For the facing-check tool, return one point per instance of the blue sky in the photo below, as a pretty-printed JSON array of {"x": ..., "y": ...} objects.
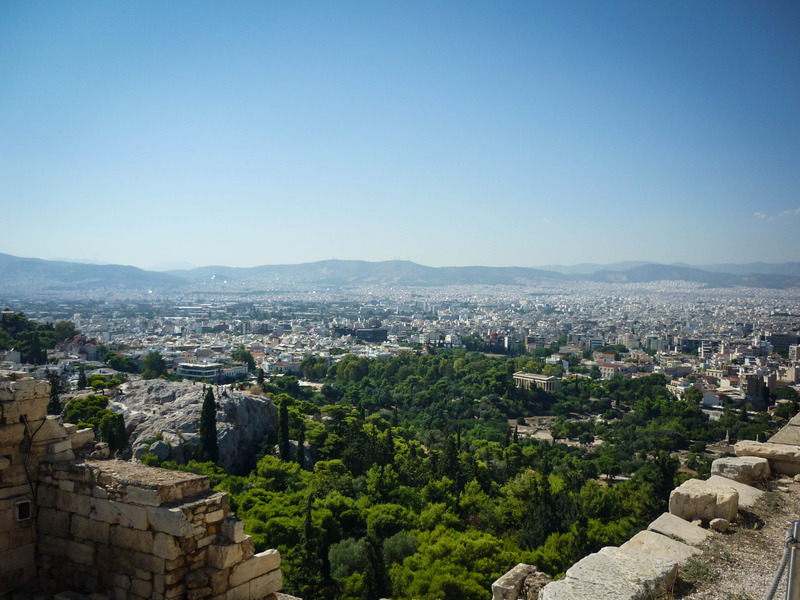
[{"x": 447, "y": 133}]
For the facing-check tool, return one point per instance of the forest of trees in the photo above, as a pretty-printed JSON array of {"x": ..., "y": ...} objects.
[
  {"x": 32, "y": 339},
  {"x": 413, "y": 485}
]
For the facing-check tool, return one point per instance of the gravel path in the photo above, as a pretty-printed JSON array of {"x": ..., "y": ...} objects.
[{"x": 741, "y": 563}]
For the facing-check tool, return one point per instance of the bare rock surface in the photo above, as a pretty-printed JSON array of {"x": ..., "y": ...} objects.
[
  {"x": 745, "y": 469},
  {"x": 171, "y": 411}
]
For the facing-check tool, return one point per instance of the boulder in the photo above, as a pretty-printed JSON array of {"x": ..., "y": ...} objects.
[
  {"x": 745, "y": 469},
  {"x": 697, "y": 499},
  {"x": 783, "y": 458},
  {"x": 160, "y": 449},
  {"x": 719, "y": 525},
  {"x": 612, "y": 573}
]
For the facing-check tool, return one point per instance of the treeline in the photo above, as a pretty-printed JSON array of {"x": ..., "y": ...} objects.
[
  {"x": 413, "y": 485},
  {"x": 32, "y": 339}
]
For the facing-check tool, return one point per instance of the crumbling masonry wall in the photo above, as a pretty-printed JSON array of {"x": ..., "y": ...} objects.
[
  {"x": 110, "y": 527},
  {"x": 142, "y": 533}
]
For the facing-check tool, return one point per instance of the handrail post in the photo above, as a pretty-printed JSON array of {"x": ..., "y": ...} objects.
[{"x": 793, "y": 581}]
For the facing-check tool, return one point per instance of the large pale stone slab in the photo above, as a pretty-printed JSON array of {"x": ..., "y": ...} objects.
[
  {"x": 789, "y": 433},
  {"x": 660, "y": 546},
  {"x": 170, "y": 520},
  {"x": 50, "y": 430},
  {"x": 266, "y": 584},
  {"x": 88, "y": 529},
  {"x": 81, "y": 437},
  {"x": 783, "y": 458},
  {"x": 255, "y": 566},
  {"x": 508, "y": 586},
  {"x": 697, "y": 499},
  {"x": 233, "y": 529},
  {"x": 749, "y": 497},
  {"x": 675, "y": 527},
  {"x": 612, "y": 573},
  {"x": 745, "y": 469},
  {"x": 222, "y": 557},
  {"x": 132, "y": 539},
  {"x": 166, "y": 546},
  {"x": 118, "y": 513}
]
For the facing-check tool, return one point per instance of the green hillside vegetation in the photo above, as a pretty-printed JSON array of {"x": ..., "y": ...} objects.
[
  {"x": 30, "y": 338},
  {"x": 92, "y": 411},
  {"x": 421, "y": 490}
]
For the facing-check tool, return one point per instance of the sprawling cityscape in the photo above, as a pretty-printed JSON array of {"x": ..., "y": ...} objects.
[{"x": 732, "y": 344}]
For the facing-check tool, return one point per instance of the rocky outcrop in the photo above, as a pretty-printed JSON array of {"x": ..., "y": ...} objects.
[
  {"x": 697, "y": 499},
  {"x": 169, "y": 412},
  {"x": 745, "y": 469},
  {"x": 783, "y": 458}
]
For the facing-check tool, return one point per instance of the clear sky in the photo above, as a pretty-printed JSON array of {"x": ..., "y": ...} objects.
[{"x": 447, "y": 133}]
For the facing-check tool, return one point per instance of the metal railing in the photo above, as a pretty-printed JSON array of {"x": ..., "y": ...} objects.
[{"x": 791, "y": 555}]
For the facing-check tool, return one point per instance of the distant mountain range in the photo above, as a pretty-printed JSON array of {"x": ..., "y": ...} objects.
[{"x": 32, "y": 274}]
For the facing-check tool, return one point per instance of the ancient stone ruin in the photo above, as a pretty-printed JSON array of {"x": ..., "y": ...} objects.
[{"x": 73, "y": 526}]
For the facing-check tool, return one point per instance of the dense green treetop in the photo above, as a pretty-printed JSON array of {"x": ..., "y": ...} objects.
[{"x": 420, "y": 489}]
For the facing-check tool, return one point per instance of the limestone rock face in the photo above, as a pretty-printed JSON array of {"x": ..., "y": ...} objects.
[
  {"x": 172, "y": 410},
  {"x": 783, "y": 458},
  {"x": 696, "y": 499},
  {"x": 745, "y": 469}
]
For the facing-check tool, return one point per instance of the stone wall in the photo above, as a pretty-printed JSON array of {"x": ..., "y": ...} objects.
[
  {"x": 115, "y": 528},
  {"x": 140, "y": 532},
  {"x": 25, "y": 438}
]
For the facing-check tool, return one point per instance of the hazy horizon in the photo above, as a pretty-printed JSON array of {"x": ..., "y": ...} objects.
[{"x": 452, "y": 134}]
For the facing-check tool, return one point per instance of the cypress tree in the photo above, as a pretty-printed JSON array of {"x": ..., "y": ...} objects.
[
  {"x": 301, "y": 449},
  {"x": 81, "y": 378},
  {"x": 54, "y": 406},
  {"x": 208, "y": 428},
  {"x": 283, "y": 430}
]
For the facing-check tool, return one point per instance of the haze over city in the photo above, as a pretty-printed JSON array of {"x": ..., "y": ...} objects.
[{"x": 453, "y": 134}]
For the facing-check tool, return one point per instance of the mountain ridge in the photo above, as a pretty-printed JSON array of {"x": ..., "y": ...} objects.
[{"x": 61, "y": 275}]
